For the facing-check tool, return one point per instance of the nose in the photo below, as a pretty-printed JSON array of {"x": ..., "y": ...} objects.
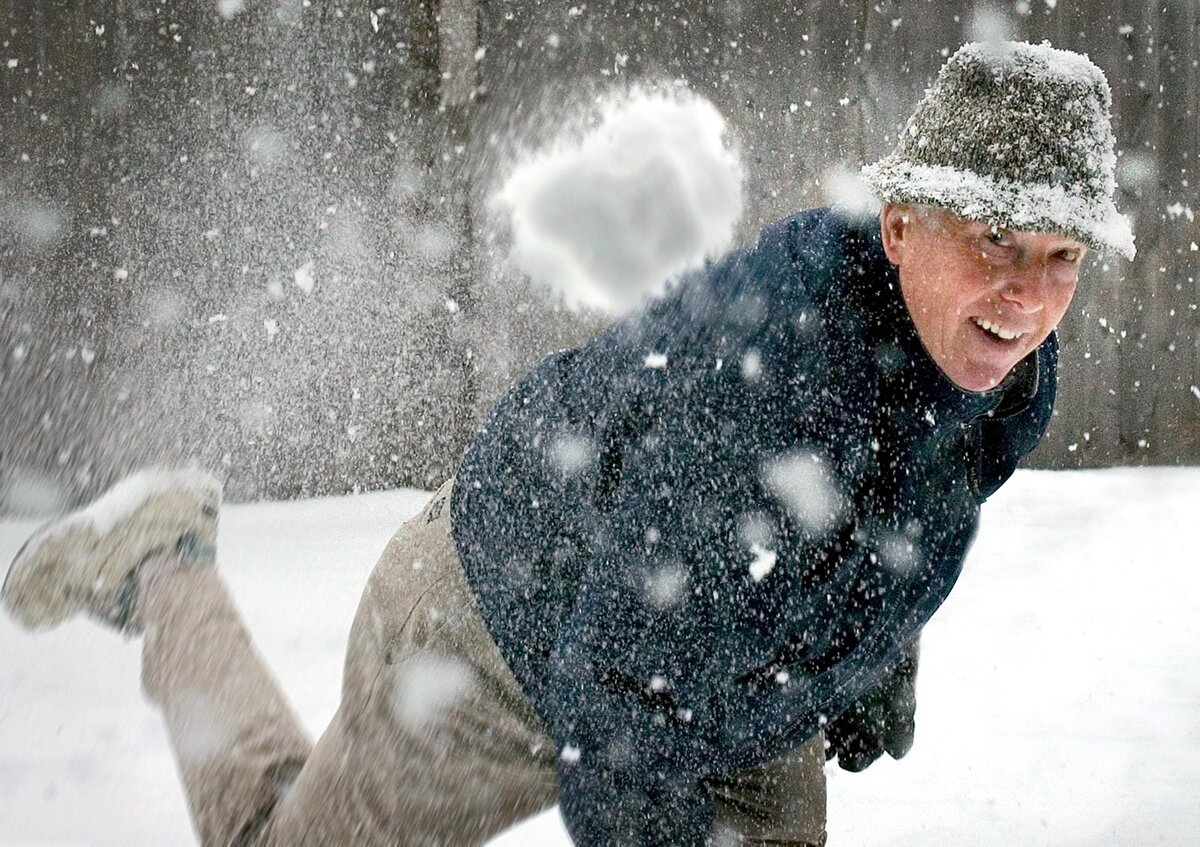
[{"x": 1025, "y": 289}]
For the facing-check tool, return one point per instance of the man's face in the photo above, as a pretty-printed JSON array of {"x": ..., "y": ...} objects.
[{"x": 981, "y": 298}]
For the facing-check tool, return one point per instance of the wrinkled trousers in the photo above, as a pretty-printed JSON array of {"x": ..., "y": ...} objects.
[{"x": 433, "y": 743}]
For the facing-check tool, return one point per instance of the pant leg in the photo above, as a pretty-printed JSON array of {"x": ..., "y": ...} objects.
[
  {"x": 236, "y": 741},
  {"x": 434, "y": 743},
  {"x": 779, "y": 803}
]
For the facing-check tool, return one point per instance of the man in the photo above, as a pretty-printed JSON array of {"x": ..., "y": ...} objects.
[{"x": 683, "y": 564}]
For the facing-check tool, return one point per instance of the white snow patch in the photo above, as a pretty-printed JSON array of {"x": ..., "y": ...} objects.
[
  {"x": 991, "y": 25},
  {"x": 1177, "y": 210},
  {"x": 608, "y": 219},
  {"x": 28, "y": 492},
  {"x": 163, "y": 306},
  {"x": 266, "y": 145},
  {"x": 427, "y": 686},
  {"x": 655, "y": 360},
  {"x": 572, "y": 453},
  {"x": 756, "y": 528},
  {"x": 752, "y": 366},
  {"x": 846, "y": 189},
  {"x": 807, "y": 487},
  {"x": 203, "y": 731},
  {"x": 897, "y": 551},
  {"x": 764, "y": 562},
  {"x": 665, "y": 586},
  {"x": 1137, "y": 170},
  {"x": 230, "y": 8},
  {"x": 256, "y": 416},
  {"x": 290, "y": 12},
  {"x": 40, "y": 225},
  {"x": 434, "y": 242},
  {"x": 304, "y": 279},
  {"x": 128, "y": 495},
  {"x": 570, "y": 754}
]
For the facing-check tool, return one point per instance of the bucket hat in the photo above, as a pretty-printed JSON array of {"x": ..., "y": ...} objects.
[{"x": 1015, "y": 135}]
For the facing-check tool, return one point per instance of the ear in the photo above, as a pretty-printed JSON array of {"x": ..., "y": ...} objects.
[{"x": 894, "y": 223}]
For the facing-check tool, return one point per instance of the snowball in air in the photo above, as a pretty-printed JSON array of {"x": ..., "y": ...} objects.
[{"x": 608, "y": 219}]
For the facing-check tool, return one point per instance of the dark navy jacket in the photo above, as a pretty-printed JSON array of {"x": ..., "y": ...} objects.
[{"x": 776, "y": 410}]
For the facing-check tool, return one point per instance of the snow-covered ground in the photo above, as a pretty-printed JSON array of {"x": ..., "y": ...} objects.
[{"x": 1059, "y": 691}]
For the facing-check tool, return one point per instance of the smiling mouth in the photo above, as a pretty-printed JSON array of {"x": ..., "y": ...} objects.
[{"x": 996, "y": 331}]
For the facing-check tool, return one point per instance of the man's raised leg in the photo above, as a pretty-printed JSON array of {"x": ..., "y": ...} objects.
[
  {"x": 236, "y": 741},
  {"x": 141, "y": 559}
]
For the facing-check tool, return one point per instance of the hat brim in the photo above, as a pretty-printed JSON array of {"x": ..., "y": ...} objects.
[{"x": 1012, "y": 205}]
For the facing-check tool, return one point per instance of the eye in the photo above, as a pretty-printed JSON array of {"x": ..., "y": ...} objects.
[
  {"x": 1071, "y": 255},
  {"x": 999, "y": 237}
]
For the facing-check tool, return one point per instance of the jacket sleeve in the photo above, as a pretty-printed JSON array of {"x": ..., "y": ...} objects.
[
  {"x": 633, "y": 711},
  {"x": 631, "y": 759}
]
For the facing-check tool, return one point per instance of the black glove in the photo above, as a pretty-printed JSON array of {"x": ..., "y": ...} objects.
[{"x": 881, "y": 720}]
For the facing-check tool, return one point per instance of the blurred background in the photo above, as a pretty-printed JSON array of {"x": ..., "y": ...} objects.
[{"x": 256, "y": 234}]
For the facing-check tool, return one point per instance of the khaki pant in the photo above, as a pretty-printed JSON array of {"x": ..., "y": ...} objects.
[{"x": 433, "y": 743}]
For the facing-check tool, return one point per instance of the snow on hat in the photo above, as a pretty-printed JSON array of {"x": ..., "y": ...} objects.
[{"x": 1015, "y": 135}]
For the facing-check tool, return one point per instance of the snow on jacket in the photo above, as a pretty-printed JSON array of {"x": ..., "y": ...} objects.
[{"x": 703, "y": 534}]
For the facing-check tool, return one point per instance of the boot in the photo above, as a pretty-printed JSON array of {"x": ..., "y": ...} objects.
[{"x": 88, "y": 561}]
